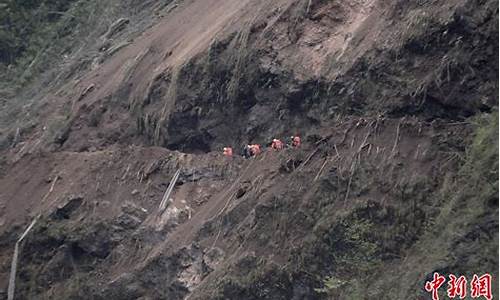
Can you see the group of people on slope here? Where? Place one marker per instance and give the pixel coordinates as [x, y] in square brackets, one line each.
[252, 150]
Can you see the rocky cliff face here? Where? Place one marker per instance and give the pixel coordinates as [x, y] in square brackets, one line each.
[397, 177]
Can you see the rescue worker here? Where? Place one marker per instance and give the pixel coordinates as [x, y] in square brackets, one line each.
[277, 144]
[296, 141]
[228, 151]
[254, 149]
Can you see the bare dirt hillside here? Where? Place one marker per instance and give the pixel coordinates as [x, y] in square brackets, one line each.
[397, 178]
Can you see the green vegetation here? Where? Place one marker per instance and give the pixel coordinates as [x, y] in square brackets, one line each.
[37, 36]
[481, 167]
[45, 43]
[30, 33]
[42, 44]
[358, 243]
[451, 234]
[23, 24]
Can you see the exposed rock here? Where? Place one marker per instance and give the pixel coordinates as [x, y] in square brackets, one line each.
[134, 210]
[67, 209]
[127, 221]
[172, 217]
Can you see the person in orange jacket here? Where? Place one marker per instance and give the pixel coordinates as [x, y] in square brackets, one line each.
[228, 151]
[296, 141]
[277, 144]
[254, 149]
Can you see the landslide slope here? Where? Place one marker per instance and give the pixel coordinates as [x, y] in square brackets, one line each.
[397, 178]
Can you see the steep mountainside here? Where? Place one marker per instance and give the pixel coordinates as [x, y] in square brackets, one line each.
[397, 178]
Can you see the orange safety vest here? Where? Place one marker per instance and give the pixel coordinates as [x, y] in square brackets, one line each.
[277, 145]
[228, 151]
[296, 141]
[255, 149]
